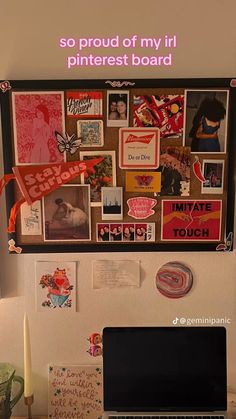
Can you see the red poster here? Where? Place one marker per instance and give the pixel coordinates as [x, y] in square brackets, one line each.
[191, 220]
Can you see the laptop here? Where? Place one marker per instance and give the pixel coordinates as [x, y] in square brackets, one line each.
[164, 371]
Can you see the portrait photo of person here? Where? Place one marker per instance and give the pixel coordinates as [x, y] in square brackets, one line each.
[206, 113]
[118, 108]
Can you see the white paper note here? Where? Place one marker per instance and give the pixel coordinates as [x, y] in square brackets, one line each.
[116, 273]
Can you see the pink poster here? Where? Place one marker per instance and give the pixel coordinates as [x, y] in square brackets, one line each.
[191, 220]
[36, 117]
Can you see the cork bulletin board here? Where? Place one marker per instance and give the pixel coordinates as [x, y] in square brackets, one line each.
[128, 165]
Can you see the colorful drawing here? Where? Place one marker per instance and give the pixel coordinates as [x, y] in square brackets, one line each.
[91, 133]
[55, 285]
[36, 117]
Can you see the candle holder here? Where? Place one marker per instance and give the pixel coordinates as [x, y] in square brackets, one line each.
[29, 401]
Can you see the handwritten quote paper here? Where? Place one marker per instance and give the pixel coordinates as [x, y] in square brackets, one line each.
[75, 392]
[116, 273]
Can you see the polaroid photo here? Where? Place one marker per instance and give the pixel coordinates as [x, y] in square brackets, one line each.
[31, 219]
[118, 108]
[112, 203]
[101, 175]
[55, 285]
[36, 117]
[206, 120]
[90, 132]
[67, 214]
[213, 171]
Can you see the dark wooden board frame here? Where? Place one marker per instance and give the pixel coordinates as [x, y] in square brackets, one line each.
[193, 83]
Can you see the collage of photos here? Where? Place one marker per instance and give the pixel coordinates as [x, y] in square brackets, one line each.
[136, 152]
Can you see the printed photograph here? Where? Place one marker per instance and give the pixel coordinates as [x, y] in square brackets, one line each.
[213, 171]
[36, 117]
[55, 285]
[67, 214]
[206, 115]
[160, 111]
[175, 163]
[103, 232]
[125, 232]
[128, 232]
[112, 203]
[118, 108]
[116, 232]
[101, 175]
[90, 133]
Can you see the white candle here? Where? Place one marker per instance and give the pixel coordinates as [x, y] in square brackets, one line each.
[28, 389]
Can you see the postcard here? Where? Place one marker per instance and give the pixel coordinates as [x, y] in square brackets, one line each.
[101, 175]
[142, 181]
[75, 391]
[175, 163]
[191, 220]
[67, 214]
[90, 132]
[36, 117]
[139, 148]
[125, 232]
[161, 111]
[55, 285]
[112, 203]
[213, 171]
[84, 104]
[117, 108]
[116, 273]
[31, 219]
[205, 120]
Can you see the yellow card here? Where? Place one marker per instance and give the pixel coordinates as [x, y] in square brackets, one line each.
[143, 181]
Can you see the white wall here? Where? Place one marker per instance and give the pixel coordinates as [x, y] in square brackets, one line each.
[30, 30]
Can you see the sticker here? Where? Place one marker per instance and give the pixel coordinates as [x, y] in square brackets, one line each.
[5, 85]
[31, 219]
[227, 246]
[233, 83]
[100, 175]
[67, 214]
[95, 338]
[95, 350]
[84, 104]
[205, 120]
[141, 207]
[197, 170]
[125, 232]
[161, 111]
[175, 163]
[112, 203]
[139, 148]
[214, 177]
[36, 117]
[55, 285]
[90, 132]
[67, 143]
[191, 220]
[174, 280]
[143, 182]
[12, 247]
[118, 108]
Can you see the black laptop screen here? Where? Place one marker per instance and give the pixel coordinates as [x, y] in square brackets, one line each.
[166, 368]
